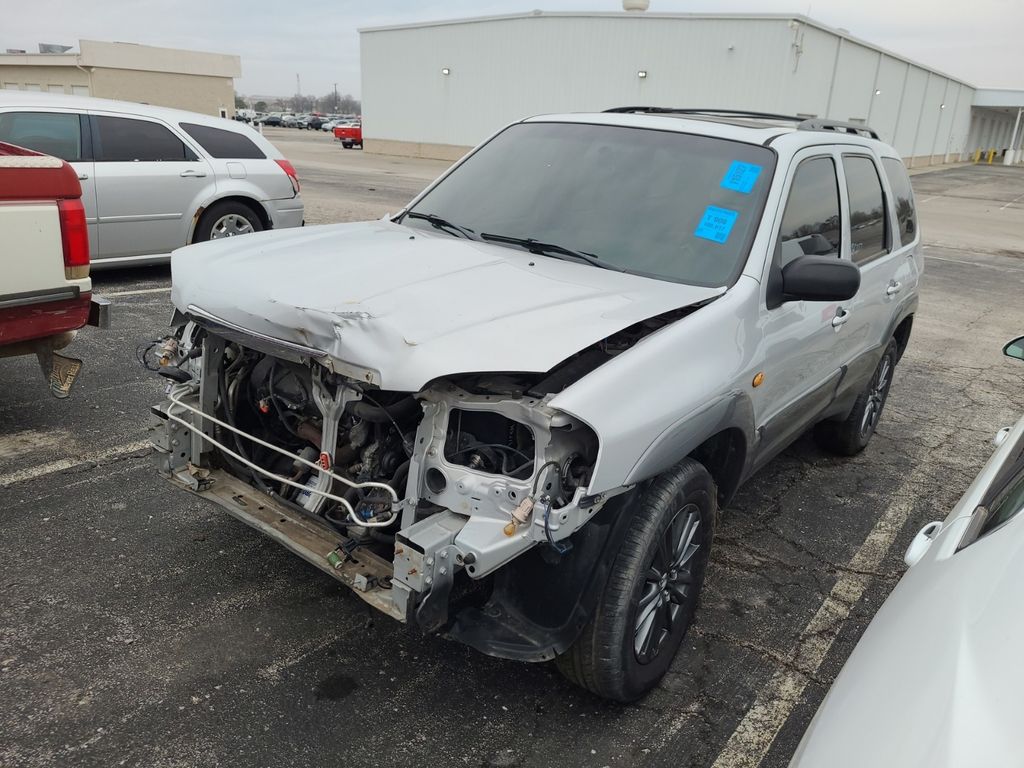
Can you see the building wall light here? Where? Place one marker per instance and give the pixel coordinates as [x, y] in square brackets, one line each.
[445, 71]
[642, 74]
[942, 106]
[878, 91]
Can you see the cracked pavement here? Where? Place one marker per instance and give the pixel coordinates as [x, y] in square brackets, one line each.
[141, 626]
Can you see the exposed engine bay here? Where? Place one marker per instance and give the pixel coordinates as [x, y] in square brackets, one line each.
[413, 499]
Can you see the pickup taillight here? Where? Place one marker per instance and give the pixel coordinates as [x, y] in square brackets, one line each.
[292, 176]
[74, 237]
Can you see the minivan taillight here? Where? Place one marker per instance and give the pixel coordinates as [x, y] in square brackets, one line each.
[74, 238]
[292, 176]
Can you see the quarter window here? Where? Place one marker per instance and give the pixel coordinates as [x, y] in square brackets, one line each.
[810, 224]
[121, 139]
[867, 208]
[53, 133]
[899, 181]
[222, 144]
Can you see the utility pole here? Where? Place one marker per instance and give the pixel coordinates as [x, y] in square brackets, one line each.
[335, 97]
[298, 85]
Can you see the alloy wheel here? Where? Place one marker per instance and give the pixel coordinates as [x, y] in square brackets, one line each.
[668, 584]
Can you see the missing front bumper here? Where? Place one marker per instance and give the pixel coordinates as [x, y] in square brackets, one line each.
[367, 574]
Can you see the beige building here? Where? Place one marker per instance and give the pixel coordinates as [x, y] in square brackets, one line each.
[168, 77]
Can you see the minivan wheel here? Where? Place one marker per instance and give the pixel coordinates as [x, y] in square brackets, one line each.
[850, 436]
[652, 590]
[227, 219]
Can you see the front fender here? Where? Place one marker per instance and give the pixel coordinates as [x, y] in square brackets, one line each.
[732, 410]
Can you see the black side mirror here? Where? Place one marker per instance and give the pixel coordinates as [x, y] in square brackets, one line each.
[820, 278]
[1015, 349]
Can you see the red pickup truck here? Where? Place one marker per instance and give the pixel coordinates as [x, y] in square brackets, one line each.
[45, 289]
[349, 135]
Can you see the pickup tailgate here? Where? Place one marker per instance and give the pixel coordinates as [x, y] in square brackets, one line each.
[33, 187]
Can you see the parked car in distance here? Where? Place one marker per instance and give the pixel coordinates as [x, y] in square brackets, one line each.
[511, 413]
[315, 122]
[271, 120]
[349, 134]
[289, 121]
[156, 179]
[46, 292]
[934, 681]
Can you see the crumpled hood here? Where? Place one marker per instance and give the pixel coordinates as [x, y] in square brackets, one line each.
[405, 306]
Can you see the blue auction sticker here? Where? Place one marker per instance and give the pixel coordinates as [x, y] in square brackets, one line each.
[741, 177]
[716, 224]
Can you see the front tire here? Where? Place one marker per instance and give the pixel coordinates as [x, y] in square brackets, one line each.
[226, 219]
[851, 436]
[651, 595]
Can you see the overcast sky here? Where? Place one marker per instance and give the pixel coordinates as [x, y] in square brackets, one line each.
[979, 42]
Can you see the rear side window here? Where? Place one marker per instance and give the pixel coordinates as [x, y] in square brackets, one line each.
[1007, 505]
[122, 139]
[899, 181]
[810, 225]
[223, 144]
[53, 133]
[867, 208]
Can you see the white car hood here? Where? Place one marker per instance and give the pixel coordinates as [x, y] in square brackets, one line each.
[400, 306]
[936, 680]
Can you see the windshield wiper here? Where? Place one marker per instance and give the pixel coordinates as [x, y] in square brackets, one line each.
[536, 246]
[438, 223]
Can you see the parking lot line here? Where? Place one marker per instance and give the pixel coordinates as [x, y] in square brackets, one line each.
[756, 732]
[31, 473]
[139, 292]
[1003, 208]
[1004, 267]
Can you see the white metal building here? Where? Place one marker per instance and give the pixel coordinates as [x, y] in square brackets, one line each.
[434, 89]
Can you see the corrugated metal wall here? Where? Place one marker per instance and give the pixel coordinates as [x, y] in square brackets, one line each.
[507, 68]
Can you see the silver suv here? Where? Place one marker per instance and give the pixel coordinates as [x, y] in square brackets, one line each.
[155, 179]
[512, 412]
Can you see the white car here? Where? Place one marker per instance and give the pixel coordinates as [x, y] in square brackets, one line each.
[156, 179]
[510, 412]
[936, 680]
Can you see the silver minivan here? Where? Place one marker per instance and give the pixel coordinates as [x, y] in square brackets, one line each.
[155, 179]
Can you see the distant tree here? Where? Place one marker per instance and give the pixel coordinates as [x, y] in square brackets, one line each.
[347, 105]
[240, 102]
[300, 103]
[260, 106]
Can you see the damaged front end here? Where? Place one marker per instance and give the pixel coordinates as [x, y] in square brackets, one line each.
[457, 508]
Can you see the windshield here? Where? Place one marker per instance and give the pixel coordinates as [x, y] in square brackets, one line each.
[658, 203]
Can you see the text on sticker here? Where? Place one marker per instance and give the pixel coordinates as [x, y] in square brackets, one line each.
[741, 177]
[716, 224]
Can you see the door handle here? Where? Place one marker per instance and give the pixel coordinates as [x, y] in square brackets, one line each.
[83, 176]
[193, 174]
[842, 315]
[895, 286]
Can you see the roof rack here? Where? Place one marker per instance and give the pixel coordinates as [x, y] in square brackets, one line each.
[802, 124]
[708, 112]
[819, 124]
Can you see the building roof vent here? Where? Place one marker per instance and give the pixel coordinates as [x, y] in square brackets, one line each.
[636, 5]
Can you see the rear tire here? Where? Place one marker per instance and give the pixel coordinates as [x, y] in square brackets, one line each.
[652, 590]
[226, 219]
[851, 436]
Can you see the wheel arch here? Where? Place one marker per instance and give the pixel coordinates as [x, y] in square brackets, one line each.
[255, 205]
[718, 436]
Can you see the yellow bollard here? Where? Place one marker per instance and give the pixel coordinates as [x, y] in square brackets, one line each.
[991, 154]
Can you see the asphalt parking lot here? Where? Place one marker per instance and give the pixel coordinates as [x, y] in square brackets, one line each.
[141, 626]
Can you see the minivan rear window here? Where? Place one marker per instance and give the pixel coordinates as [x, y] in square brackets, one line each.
[223, 144]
